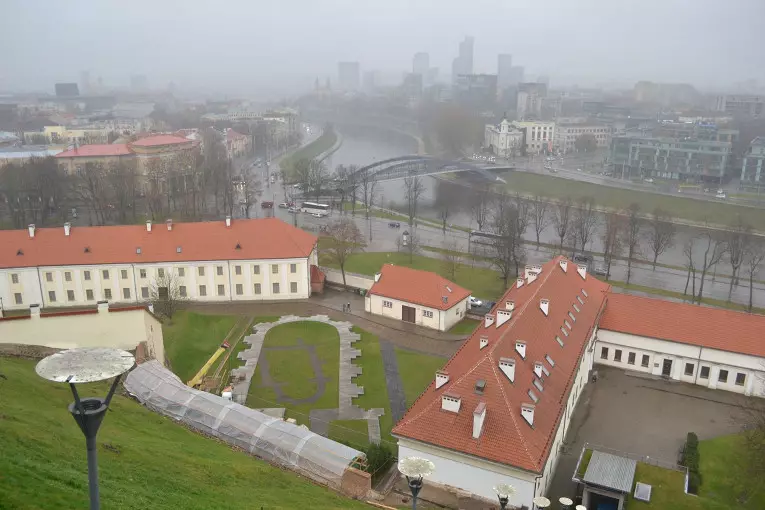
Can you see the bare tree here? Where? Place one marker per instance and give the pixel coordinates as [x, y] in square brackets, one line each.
[414, 188]
[451, 259]
[523, 207]
[92, 188]
[690, 265]
[447, 198]
[479, 205]
[412, 246]
[156, 181]
[345, 176]
[632, 233]
[562, 219]
[507, 249]
[345, 240]
[251, 190]
[755, 253]
[318, 178]
[367, 185]
[539, 215]
[585, 221]
[612, 239]
[122, 177]
[661, 233]
[167, 293]
[738, 238]
[713, 251]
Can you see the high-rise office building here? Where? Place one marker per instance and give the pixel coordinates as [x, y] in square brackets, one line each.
[516, 75]
[421, 63]
[349, 75]
[529, 100]
[504, 70]
[463, 64]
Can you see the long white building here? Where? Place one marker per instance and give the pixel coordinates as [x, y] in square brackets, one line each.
[241, 260]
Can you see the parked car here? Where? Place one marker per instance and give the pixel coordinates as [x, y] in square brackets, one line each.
[582, 258]
[266, 205]
[474, 302]
[293, 209]
[318, 215]
[600, 271]
[284, 205]
[721, 194]
[394, 224]
[649, 180]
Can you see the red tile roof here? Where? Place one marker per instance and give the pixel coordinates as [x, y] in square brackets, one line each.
[152, 141]
[96, 150]
[714, 328]
[234, 135]
[268, 238]
[418, 287]
[506, 437]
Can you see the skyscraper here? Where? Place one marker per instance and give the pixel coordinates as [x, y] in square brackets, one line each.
[463, 64]
[504, 70]
[421, 63]
[349, 75]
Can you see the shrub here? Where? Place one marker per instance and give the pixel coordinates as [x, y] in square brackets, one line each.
[379, 458]
[690, 460]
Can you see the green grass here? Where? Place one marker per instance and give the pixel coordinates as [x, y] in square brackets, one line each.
[151, 462]
[292, 368]
[354, 433]
[724, 472]
[667, 491]
[480, 281]
[372, 379]
[582, 469]
[309, 152]
[464, 327]
[191, 338]
[417, 371]
[619, 198]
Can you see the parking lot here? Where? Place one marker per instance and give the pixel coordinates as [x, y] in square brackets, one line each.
[643, 415]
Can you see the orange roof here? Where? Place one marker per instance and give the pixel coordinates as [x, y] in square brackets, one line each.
[268, 238]
[418, 287]
[714, 328]
[506, 437]
[152, 141]
[233, 135]
[96, 150]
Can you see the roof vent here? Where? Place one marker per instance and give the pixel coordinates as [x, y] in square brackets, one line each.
[169, 224]
[582, 270]
[451, 402]
[449, 289]
[503, 316]
[507, 365]
[483, 342]
[377, 277]
[519, 283]
[87, 249]
[563, 264]
[238, 246]
[442, 377]
[228, 221]
[549, 360]
[31, 228]
[20, 252]
[544, 305]
[479, 415]
[138, 250]
[527, 412]
[510, 305]
[445, 299]
[520, 346]
[148, 226]
[67, 228]
[480, 385]
[538, 368]
[488, 320]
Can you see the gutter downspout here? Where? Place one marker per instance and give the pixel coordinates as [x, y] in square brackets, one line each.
[135, 288]
[230, 289]
[698, 366]
[39, 284]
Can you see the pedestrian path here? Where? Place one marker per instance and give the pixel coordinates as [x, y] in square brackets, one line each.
[393, 380]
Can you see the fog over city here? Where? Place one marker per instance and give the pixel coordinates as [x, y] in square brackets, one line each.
[279, 48]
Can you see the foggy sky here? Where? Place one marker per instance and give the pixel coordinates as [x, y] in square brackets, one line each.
[272, 47]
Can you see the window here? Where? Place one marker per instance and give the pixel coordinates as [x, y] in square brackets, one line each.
[89, 295]
[48, 277]
[723, 377]
[68, 276]
[563, 330]
[219, 270]
[274, 269]
[14, 278]
[105, 274]
[572, 316]
[124, 274]
[181, 272]
[142, 273]
[704, 373]
[70, 295]
[201, 271]
[533, 396]
[178, 249]
[427, 313]
[584, 292]
[238, 269]
[689, 368]
[239, 289]
[202, 290]
[126, 293]
[557, 339]
[17, 297]
[631, 358]
[538, 385]
[256, 269]
[578, 298]
[644, 361]
[604, 353]
[275, 288]
[293, 287]
[567, 324]
[387, 304]
[52, 296]
[618, 355]
[740, 379]
[549, 360]
[161, 272]
[86, 275]
[108, 293]
[257, 288]
[293, 268]
[182, 290]
[145, 292]
[221, 290]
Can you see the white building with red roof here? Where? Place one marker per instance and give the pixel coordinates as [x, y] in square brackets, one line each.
[419, 297]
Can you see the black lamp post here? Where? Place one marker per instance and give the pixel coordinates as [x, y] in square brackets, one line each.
[415, 486]
[415, 468]
[504, 492]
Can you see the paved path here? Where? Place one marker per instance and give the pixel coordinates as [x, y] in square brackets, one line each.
[393, 381]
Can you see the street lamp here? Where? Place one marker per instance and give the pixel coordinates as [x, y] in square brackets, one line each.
[414, 468]
[504, 493]
[86, 365]
[565, 503]
[541, 502]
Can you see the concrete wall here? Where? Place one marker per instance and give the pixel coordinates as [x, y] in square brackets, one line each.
[353, 280]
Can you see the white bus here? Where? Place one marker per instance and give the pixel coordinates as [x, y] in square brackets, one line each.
[479, 237]
[315, 208]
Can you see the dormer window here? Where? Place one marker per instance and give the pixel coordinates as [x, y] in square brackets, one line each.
[533, 396]
[576, 308]
[557, 339]
[20, 252]
[584, 292]
[178, 249]
[238, 246]
[572, 316]
[549, 360]
[579, 298]
[138, 250]
[87, 249]
[538, 384]
[563, 330]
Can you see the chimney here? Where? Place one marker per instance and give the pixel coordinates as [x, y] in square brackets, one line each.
[479, 415]
[519, 283]
[544, 305]
[520, 346]
[483, 342]
[103, 306]
[34, 311]
[582, 270]
[532, 276]
[510, 305]
[442, 377]
[169, 224]
[377, 277]
[563, 264]
[67, 228]
[151, 307]
[451, 402]
[526, 272]
[503, 316]
[148, 226]
[488, 320]
[527, 411]
[228, 221]
[507, 365]
[31, 230]
[445, 299]
[538, 369]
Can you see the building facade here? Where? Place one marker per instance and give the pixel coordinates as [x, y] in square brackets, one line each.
[748, 105]
[503, 139]
[567, 134]
[753, 162]
[539, 135]
[529, 100]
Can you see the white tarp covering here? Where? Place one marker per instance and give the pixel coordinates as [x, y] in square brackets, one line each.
[270, 438]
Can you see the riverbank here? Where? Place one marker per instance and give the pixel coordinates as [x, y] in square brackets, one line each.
[323, 144]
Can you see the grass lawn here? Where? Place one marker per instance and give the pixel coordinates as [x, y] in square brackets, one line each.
[482, 282]
[351, 432]
[723, 471]
[618, 198]
[292, 368]
[151, 462]
[191, 338]
[417, 371]
[464, 327]
[667, 491]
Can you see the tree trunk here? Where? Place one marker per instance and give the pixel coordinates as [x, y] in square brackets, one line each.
[751, 291]
[629, 269]
[342, 270]
[655, 258]
[687, 282]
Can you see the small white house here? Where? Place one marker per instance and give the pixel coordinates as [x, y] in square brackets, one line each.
[419, 297]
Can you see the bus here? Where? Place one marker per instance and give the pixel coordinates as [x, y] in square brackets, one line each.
[315, 208]
[479, 237]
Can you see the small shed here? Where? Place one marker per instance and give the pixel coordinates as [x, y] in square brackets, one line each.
[607, 480]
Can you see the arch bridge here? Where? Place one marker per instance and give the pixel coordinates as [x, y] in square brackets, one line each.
[417, 165]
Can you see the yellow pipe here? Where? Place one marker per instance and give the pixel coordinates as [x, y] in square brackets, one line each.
[197, 379]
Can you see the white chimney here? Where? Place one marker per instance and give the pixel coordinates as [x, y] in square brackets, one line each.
[526, 272]
[544, 305]
[34, 311]
[536, 268]
[520, 346]
[228, 221]
[483, 342]
[103, 306]
[451, 402]
[67, 228]
[169, 224]
[582, 270]
[538, 369]
[479, 415]
[151, 307]
[488, 320]
[31, 230]
[442, 377]
[377, 277]
[510, 305]
[507, 365]
[563, 264]
[532, 276]
[527, 411]
[148, 226]
[503, 316]
[519, 283]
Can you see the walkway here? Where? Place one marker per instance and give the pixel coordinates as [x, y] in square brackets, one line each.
[393, 381]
